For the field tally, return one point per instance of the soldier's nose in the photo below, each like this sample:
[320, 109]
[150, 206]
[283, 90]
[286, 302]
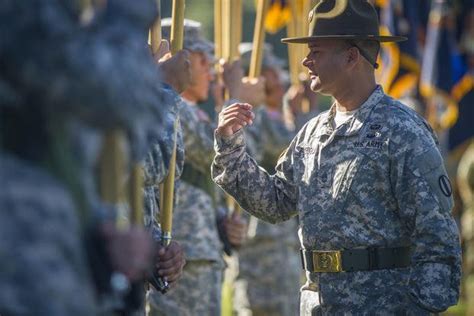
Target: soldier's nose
[306, 62]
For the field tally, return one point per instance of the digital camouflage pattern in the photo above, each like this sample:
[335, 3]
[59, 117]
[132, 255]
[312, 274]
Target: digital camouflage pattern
[269, 267]
[89, 73]
[156, 168]
[269, 278]
[376, 181]
[156, 165]
[78, 89]
[271, 135]
[195, 215]
[198, 277]
[84, 70]
[43, 270]
[195, 227]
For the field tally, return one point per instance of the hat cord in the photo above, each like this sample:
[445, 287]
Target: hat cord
[366, 55]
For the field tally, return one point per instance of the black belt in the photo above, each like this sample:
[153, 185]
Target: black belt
[356, 259]
[196, 178]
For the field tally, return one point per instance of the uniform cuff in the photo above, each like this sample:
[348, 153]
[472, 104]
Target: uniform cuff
[227, 144]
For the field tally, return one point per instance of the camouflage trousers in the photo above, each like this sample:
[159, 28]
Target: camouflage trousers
[268, 280]
[197, 292]
[311, 306]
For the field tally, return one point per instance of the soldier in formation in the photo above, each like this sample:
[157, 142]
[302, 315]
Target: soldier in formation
[196, 216]
[256, 290]
[60, 249]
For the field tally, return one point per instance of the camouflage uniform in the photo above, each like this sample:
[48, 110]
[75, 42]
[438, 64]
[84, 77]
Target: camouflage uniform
[195, 216]
[156, 164]
[156, 169]
[256, 290]
[62, 70]
[194, 227]
[381, 166]
[43, 266]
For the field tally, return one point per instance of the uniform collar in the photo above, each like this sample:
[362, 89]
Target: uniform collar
[189, 102]
[353, 125]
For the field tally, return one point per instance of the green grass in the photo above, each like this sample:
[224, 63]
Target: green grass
[457, 310]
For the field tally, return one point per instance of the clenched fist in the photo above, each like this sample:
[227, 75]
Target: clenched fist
[170, 261]
[236, 229]
[176, 69]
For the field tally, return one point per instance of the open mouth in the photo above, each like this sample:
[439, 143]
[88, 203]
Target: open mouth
[312, 75]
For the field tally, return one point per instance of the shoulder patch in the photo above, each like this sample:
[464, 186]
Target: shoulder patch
[445, 185]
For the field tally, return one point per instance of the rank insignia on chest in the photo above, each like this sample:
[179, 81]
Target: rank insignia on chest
[373, 135]
[375, 127]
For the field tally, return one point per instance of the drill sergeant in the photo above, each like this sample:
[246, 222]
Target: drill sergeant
[366, 178]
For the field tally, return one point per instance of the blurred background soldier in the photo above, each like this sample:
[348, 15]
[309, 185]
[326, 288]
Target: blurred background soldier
[44, 213]
[269, 250]
[55, 100]
[176, 76]
[196, 216]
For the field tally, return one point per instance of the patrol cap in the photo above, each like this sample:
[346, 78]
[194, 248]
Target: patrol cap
[269, 59]
[193, 40]
[343, 19]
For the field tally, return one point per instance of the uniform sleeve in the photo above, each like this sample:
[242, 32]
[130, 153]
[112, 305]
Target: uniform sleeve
[424, 196]
[155, 171]
[270, 198]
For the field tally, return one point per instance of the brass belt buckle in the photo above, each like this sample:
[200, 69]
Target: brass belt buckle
[327, 261]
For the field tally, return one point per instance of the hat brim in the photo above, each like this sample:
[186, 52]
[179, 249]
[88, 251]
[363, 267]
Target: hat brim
[309, 39]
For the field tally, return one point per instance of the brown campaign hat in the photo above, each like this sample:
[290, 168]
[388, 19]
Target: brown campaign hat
[343, 19]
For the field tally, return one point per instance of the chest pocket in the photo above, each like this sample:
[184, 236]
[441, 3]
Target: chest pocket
[306, 163]
[344, 174]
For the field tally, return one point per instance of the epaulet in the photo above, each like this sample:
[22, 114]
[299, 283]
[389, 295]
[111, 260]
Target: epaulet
[406, 113]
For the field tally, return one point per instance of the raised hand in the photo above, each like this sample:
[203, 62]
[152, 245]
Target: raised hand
[233, 118]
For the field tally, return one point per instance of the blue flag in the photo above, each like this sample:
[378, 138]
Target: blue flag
[463, 129]
[442, 68]
[400, 62]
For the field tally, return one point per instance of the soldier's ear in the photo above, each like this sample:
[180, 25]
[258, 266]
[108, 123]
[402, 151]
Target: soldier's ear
[352, 56]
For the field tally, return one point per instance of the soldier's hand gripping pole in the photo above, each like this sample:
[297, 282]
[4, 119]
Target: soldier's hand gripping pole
[166, 207]
[167, 189]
